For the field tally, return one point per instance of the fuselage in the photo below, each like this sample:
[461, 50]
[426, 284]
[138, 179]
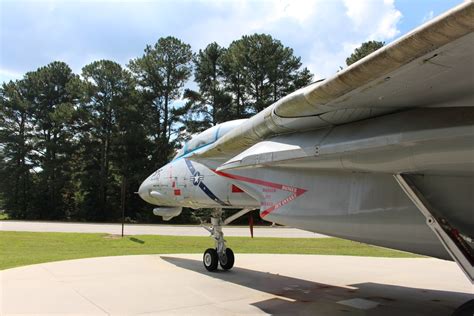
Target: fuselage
[187, 183]
[340, 181]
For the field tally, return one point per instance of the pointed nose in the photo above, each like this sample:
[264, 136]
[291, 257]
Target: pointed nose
[150, 194]
[143, 190]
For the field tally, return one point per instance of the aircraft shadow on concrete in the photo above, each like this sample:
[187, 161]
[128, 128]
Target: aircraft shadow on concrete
[302, 297]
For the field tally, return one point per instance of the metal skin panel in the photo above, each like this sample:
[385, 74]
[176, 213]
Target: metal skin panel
[199, 187]
[452, 198]
[364, 207]
[430, 140]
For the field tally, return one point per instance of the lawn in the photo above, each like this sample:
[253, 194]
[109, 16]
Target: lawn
[24, 248]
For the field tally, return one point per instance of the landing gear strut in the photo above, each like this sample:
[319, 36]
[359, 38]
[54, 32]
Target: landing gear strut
[220, 254]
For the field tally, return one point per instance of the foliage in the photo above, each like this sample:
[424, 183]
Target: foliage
[21, 248]
[109, 100]
[38, 130]
[363, 50]
[15, 151]
[254, 72]
[161, 74]
[212, 104]
[258, 70]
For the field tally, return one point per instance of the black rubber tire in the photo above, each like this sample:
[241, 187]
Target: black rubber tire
[228, 261]
[210, 259]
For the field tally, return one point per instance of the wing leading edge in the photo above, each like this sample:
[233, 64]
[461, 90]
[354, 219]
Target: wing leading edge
[429, 67]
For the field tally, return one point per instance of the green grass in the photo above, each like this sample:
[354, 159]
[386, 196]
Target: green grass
[24, 248]
[3, 216]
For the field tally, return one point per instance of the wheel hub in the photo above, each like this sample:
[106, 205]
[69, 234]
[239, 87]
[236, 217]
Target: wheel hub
[223, 259]
[207, 259]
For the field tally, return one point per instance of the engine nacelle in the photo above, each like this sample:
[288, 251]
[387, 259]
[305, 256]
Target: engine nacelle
[167, 213]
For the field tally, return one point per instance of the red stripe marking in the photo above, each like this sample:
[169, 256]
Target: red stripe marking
[296, 191]
[250, 180]
[177, 192]
[236, 189]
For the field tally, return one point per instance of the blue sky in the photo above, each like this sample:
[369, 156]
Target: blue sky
[322, 32]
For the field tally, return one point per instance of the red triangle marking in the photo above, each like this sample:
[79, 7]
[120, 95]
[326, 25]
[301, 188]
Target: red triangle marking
[296, 191]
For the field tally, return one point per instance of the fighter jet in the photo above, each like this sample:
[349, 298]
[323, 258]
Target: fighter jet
[380, 153]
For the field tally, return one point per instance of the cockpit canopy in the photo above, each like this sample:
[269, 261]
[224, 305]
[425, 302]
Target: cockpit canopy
[207, 137]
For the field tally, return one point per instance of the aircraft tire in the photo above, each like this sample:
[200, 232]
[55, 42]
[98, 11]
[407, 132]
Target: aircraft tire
[228, 261]
[210, 259]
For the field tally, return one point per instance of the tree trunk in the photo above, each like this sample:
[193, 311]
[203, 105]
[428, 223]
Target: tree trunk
[104, 148]
[166, 124]
[214, 97]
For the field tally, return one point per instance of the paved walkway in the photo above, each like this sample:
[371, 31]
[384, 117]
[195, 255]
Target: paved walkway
[135, 229]
[259, 284]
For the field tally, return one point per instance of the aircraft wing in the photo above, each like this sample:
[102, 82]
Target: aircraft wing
[432, 66]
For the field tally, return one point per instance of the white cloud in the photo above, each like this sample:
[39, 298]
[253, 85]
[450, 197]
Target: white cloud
[301, 11]
[380, 18]
[7, 75]
[322, 32]
[250, 16]
[353, 23]
[427, 16]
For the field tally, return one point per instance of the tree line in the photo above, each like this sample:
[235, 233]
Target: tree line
[69, 142]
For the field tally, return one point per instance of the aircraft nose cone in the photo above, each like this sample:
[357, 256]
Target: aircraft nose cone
[150, 194]
[143, 190]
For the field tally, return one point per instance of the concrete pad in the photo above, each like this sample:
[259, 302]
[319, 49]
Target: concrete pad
[359, 303]
[259, 284]
[138, 229]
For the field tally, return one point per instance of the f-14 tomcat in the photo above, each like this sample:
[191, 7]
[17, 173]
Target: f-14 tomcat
[381, 153]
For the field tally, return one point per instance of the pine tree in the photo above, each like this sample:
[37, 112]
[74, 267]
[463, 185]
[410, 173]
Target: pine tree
[161, 74]
[363, 50]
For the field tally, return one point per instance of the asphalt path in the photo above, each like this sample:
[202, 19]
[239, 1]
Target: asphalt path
[137, 229]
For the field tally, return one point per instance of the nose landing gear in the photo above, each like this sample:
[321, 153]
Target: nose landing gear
[220, 254]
